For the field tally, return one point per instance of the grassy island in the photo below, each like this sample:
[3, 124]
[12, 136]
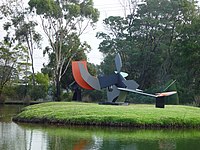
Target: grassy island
[134, 115]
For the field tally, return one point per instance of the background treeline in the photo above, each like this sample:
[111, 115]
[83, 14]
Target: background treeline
[158, 40]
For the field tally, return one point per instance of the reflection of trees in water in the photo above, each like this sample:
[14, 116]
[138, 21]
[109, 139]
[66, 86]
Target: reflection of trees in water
[31, 139]
[67, 142]
[11, 137]
[63, 142]
[167, 144]
[71, 143]
[96, 143]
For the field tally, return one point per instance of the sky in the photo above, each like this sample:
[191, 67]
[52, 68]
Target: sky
[107, 8]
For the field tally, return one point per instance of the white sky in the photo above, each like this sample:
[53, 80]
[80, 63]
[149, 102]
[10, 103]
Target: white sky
[107, 8]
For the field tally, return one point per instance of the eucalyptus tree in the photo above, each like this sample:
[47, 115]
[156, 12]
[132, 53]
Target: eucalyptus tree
[20, 25]
[63, 22]
[11, 62]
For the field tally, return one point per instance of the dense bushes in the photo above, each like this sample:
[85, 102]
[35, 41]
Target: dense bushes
[20, 92]
[37, 92]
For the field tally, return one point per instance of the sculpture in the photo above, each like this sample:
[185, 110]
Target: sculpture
[116, 84]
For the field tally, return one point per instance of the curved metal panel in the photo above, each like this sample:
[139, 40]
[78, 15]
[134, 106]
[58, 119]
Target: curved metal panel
[77, 74]
[91, 80]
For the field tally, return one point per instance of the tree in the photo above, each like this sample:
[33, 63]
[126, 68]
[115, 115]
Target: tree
[63, 22]
[144, 40]
[40, 90]
[11, 59]
[20, 21]
[148, 40]
[187, 57]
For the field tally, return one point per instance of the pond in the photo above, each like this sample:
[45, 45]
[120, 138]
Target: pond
[47, 137]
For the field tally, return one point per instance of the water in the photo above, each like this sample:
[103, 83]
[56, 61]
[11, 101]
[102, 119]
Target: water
[45, 137]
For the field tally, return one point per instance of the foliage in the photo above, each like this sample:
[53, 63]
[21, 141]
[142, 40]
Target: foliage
[67, 96]
[158, 42]
[67, 77]
[173, 99]
[94, 95]
[20, 22]
[42, 79]
[94, 114]
[11, 60]
[63, 22]
[37, 92]
[40, 90]
[21, 92]
[187, 60]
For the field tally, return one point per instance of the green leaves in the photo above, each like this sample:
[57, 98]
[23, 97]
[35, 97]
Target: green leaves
[74, 10]
[11, 62]
[68, 9]
[156, 42]
[46, 7]
[88, 11]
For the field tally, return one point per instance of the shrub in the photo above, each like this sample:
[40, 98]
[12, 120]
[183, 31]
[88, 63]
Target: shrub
[67, 96]
[2, 99]
[37, 92]
[94, 95]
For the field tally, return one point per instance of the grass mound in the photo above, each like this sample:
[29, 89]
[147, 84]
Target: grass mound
[139, 115]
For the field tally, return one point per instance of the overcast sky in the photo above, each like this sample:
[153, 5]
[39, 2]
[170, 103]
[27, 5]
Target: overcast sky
[107, 8]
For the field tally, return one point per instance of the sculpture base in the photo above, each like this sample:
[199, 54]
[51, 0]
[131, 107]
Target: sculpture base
[160, 102]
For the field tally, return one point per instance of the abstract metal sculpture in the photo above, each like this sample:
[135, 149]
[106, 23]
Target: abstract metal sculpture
[116, 84]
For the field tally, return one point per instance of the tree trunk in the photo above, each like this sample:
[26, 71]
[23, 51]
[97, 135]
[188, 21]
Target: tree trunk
[33, 74]
[30, 48]
[1, 97]
[57, 92]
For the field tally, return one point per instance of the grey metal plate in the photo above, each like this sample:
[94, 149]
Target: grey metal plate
[118, 62]
[131, 84]
[91, 80]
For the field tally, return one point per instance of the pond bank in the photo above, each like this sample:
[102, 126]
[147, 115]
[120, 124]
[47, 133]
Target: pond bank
[21, 102]
[134, 115]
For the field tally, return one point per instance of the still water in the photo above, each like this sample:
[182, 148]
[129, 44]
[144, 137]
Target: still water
[44, 137]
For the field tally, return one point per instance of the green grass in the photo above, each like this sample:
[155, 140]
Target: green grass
[94, 114]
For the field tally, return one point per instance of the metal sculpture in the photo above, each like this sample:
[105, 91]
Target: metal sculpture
[116, 84]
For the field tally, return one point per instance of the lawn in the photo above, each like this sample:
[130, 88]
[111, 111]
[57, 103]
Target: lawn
[134, 115]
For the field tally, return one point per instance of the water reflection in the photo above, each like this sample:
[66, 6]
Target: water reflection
[15, 137]
[90, 138]
[44, 137]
